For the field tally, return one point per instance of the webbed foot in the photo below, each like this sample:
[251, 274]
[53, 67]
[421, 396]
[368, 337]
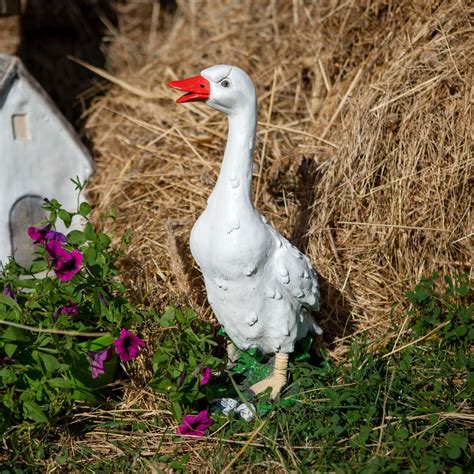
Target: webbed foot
[277, 380]
[232, 355]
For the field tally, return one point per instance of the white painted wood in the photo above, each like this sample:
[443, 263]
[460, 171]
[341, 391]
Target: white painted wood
[39, 151]
[25, 211]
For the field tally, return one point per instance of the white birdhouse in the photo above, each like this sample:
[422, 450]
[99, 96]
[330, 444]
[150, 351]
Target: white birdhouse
[39, 154]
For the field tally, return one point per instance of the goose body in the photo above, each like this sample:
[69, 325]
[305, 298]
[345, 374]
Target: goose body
[261, 288]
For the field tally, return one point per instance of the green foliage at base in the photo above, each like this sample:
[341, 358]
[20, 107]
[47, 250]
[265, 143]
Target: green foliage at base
[187, 347]
[44, 367]
[406, 407]
[400, 404]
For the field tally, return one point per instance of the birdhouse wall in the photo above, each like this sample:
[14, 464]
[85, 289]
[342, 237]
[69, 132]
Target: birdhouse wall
[38, 153]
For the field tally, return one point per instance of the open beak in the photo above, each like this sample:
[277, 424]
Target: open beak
[197, 88]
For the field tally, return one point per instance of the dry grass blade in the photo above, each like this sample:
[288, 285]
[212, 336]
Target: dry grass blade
[115, 80]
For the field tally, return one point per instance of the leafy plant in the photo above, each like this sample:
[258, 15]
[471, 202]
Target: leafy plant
[55, 315]
[405, 408]
[180, 359]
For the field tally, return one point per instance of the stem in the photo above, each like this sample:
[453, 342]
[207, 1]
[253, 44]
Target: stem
[54, 331]
[416, 341]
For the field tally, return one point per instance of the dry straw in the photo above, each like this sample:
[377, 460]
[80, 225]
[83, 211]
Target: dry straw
[364, 148]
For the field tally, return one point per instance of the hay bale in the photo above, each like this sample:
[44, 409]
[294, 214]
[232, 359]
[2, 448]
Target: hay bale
[9, 34]
[363, 151]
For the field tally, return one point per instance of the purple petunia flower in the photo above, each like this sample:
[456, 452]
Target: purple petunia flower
[43, 235]
[195, 425]
[8, 291]
[69, 309]
[104, 300]
[203, 374]
[127, 346]
[5, 360]
[182, 378]
[66, 264]
[98, 358]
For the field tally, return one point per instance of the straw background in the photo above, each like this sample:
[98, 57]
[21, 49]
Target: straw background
[364, 149]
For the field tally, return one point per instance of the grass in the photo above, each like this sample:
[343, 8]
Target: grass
[398, 404]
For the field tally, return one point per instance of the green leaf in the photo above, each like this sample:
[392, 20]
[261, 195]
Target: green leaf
[402, 433]
[162, 385]
[7, 374]
[168, 318]
[89, 232]
[180, 317]
[470, 381]
[457, 441]
[364, 434]
[90, 256]
[15, 334]
[39, 266]
[34, 412]
[180, 464]
[26, 283]
[176, 410]
[189, 314]
[454, 452]
[50, 362]
[159, 358]
[59, 382]
[65, 216]
[76, 237]
[127, 237]
[84, 209]
[97, 344]
[10, 349]
[11, 303]
[104, 240]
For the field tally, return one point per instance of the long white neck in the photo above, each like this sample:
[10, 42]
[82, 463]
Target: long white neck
[235, 177]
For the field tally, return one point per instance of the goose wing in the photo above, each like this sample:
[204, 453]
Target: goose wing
[294, 275]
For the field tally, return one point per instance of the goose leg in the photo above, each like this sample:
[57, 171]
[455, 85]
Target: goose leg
[232, 354]
[276, 380]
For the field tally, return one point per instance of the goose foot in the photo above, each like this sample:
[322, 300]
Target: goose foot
[277, 380]
[232, 355]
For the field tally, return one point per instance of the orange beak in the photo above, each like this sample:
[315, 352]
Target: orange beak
[197, 89]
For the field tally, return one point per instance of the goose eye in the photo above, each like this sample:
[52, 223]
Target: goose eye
[225, 83]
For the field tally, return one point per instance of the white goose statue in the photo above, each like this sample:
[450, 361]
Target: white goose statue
[261, 288]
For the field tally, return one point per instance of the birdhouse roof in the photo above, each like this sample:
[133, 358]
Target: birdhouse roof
[11, 69]
[8, 71]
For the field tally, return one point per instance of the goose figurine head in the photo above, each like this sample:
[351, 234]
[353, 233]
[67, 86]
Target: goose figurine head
[227, 89]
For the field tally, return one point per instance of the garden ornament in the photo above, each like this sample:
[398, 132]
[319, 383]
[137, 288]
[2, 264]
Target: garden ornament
[261, 288]
[39, 154]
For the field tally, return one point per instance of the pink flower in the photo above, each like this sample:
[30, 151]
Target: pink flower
[104, 300]
[203, 374]
[5, 360]
[66, 264]
[98, 358]
[127, 346]
[42, 235]
[195, 425]
[8, 291]
[69, 309]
